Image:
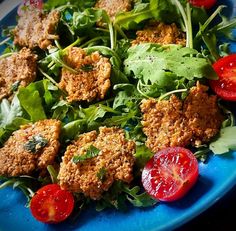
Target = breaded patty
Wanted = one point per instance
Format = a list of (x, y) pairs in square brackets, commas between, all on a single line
[(158, 32), (32, 147), (172, 122), (92, 80), (36, 29), (112, 7), (17, 69), (115, 160)]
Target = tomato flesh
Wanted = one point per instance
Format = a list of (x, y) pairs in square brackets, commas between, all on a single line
[(51, 204), (225, 86), (170, 174), (203, 3)]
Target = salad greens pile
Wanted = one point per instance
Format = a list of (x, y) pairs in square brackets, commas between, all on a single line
[(138, 72)]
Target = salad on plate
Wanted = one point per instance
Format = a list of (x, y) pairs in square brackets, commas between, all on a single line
[(113, 103)]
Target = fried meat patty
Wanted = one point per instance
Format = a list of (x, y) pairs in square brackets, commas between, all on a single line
[(158, 32), (32, 147), (17, 69), (172, 122), (112, 7), (115, 159), (92, 79), (36, 29)]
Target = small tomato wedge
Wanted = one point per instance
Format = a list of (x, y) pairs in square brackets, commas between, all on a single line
[(203, 3), (51, 204), (225, 86), (170, 174)]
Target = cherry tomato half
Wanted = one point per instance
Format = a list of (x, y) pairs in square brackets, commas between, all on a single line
[(203, 3), (170, 174), (51, 204), (225, 86)]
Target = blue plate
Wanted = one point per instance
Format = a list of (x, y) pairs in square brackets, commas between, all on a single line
[(217, 177)]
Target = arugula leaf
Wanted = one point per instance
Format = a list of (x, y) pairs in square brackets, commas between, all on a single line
[(159, 10), (74, 128), (28, 103), (142, 155), (151, 62), (90, 153), (120, 193), (225, 141), (138, 200)]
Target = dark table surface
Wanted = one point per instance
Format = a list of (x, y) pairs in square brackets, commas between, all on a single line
[(220, 217)]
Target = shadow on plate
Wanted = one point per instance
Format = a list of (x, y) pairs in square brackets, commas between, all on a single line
[(202, 186)]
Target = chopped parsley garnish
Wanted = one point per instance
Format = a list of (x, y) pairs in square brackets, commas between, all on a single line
[(90, 153), (101, 175), (87, 67), (35, 144), (15, 85)]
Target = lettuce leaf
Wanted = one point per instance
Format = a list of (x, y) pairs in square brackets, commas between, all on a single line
[(225, 141)]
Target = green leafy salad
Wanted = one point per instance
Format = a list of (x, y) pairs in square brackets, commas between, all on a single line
[(101, 68)]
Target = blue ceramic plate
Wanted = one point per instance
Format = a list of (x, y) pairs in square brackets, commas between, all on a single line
[(217, 177)]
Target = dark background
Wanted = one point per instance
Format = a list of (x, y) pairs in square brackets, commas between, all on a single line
[(220, 217)]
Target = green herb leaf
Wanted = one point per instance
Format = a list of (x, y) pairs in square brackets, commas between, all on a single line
[(87, 67), (36, 144), (139, 200), (91, 152), (225, 141), (101, 175), (151, 63)]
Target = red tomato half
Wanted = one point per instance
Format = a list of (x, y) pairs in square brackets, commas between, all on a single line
[(51, 204), (225, 86), (203, 3), (170, 174)]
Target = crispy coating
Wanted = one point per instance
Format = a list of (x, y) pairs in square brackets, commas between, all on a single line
[(112, 7), (16, 160), (115, 157), (92, 80), (19, 68), (171, 123), (36, 29), (158, 32)]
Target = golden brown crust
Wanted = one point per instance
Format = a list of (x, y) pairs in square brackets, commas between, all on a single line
[(16, 160), (112, 7), (19, 67), (89, 84), (171, 123), (36, 29), (158, 32), (116, 157)]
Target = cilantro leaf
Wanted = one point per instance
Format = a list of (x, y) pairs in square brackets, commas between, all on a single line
[(91, 152), (225, 141)]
